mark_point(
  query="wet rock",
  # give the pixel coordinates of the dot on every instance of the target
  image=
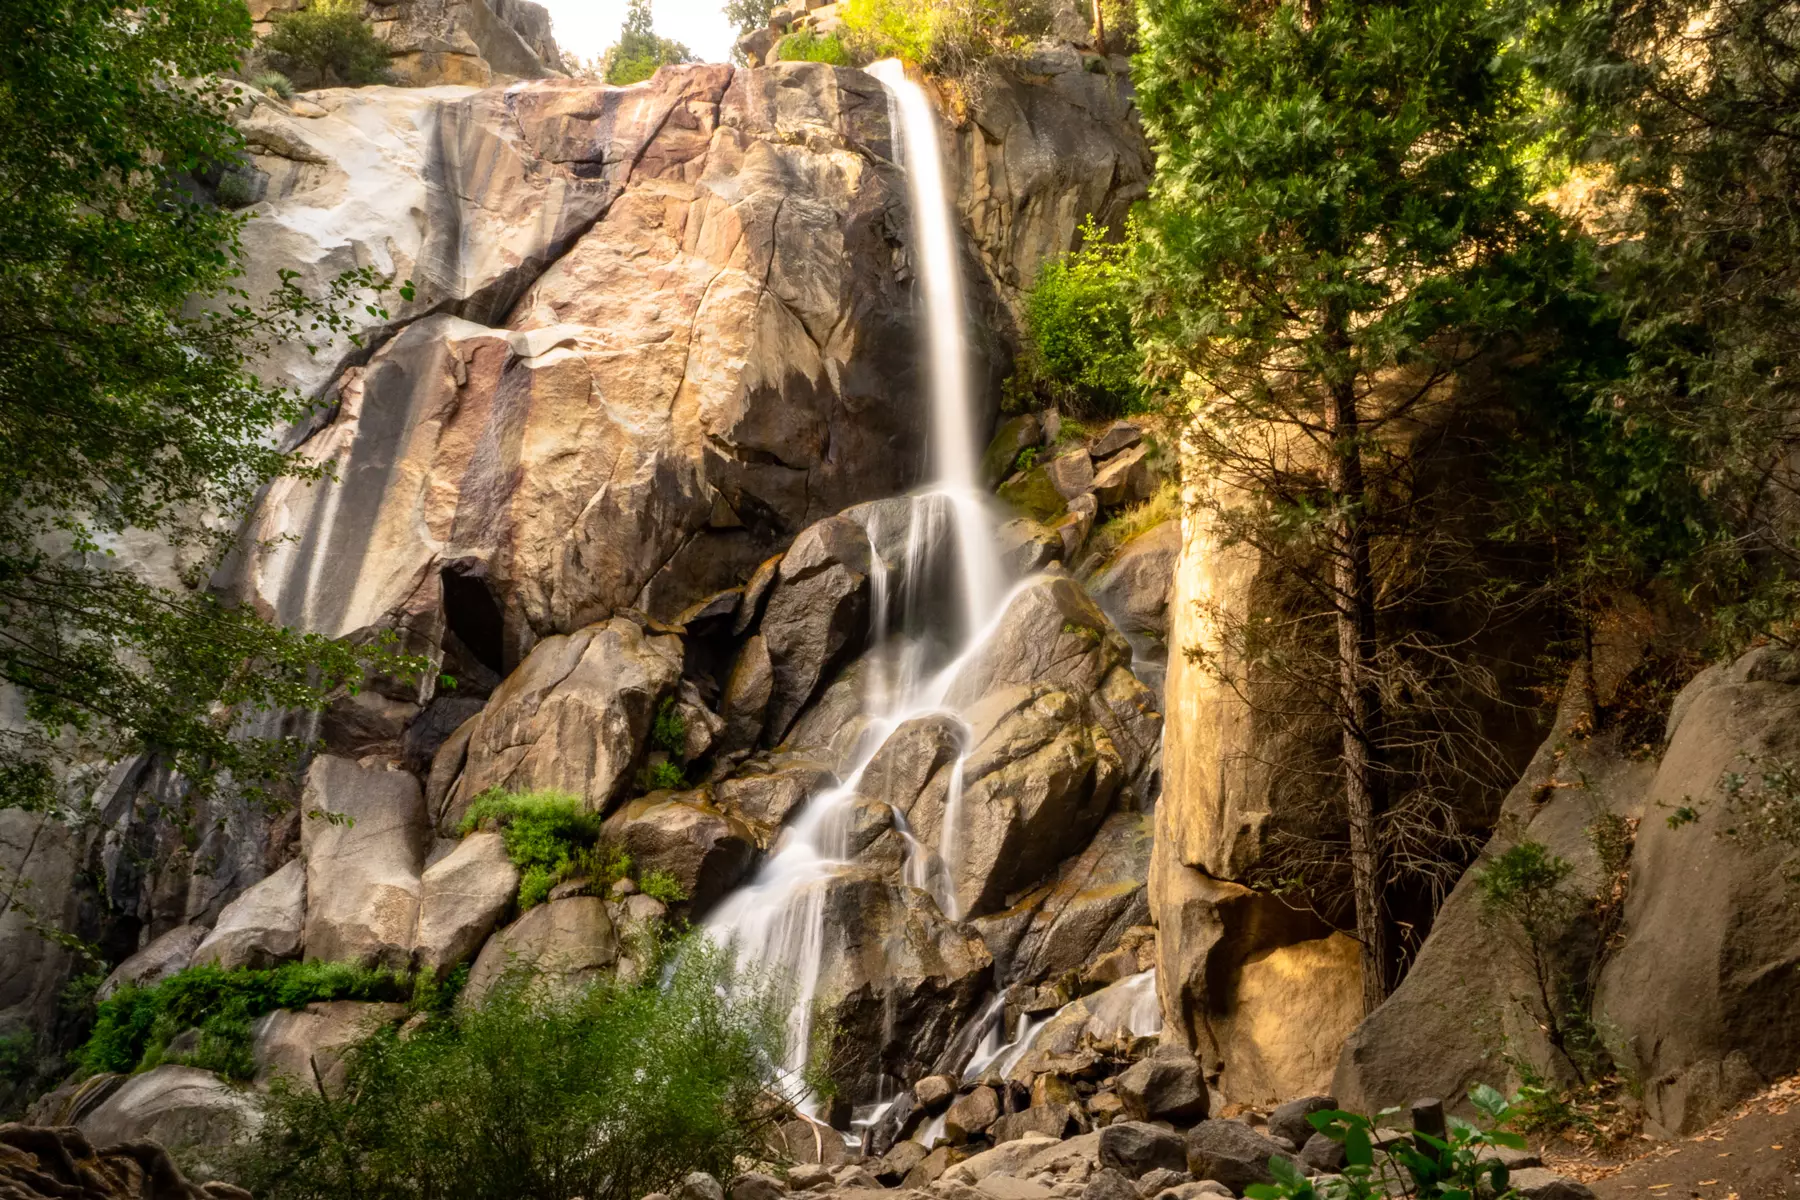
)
(1133, 1148)
(707, 851)
(575, 715)
(177, 1106)
(764, 793)
(1289, 1120)
(915, 752)
(971, 1114)
(168, 954)
(1167, 1086)
(1027, 546)
(263, 926)
(461, 899)
(746, 698)
(307, 1045)
(566, 943)
(364, 834)
(1231, 1153)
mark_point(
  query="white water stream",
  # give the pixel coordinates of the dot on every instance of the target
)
(776, 921)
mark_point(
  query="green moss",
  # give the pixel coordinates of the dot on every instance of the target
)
(1033, 495)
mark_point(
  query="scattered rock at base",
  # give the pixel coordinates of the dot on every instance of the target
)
(1231, 1153)
(1134, 1147)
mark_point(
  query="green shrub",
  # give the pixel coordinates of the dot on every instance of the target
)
(669, 730)
(274, 83)
(1081, 353)
(544, 833)
(666, 776)
(609, 1093)
(639, 51)
(661, 885)
(804, 47)
(1027, 459)
(237, 188)
(327, 45)
(1421, 1168)
(133, 1026)
(947, 37)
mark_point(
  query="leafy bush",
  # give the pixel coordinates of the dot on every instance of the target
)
(327, 44)
(1423, 1167)
(609, 1093)
(1081, 353)
(133, 1026)
(661, 885)
(639, 51)
(805, 47)
(669, 730)
(665, 776)
(545, 833)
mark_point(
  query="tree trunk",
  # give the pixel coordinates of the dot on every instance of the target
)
(1099, 29)
(1358, 703)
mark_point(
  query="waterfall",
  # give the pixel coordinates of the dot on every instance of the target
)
(776, 921)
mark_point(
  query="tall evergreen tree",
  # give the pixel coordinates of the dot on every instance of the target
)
(1341, 221)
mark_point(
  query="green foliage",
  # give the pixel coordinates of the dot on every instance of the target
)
(663, 886)
(128, 400)
(1081, 353)
(639, 51)
(327, 44)
(609, 1092)
(805, 47)
(236, 189)
(273, 82)
(668, 732)
(545, 833)
(1422, 1166)
(662, 776)
(945, 37)
(1027, 458)
(133, 1026)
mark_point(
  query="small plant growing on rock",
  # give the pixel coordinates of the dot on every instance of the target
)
(544, 832)
(665, 776)
(274, 83)
(662, 886)
(805, 46)
(668, 732)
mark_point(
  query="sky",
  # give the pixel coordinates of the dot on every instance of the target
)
(588, 27)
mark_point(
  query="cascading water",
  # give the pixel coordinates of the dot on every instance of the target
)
(776, 921)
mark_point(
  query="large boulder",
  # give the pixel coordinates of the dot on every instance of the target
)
(39, 1163)
(817, 616)
(707, 851)
(765, 792)
(177, 1106)
(307, 1045)
(564, 943)
(574, 716)
(264, 926)
(167, 955)
(1135, 585)
(1231, 1153)
(462, 897)
(1167, 1086)
(1134, 1147)
(39, 859)
(364, 835)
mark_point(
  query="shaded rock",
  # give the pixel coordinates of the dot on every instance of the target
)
(168, 954)
(934, 1092)
(1167, 1086)
(1125, 478)
(263, 926)
(1109, 1184)
(461, 898)
(1046, 1120)
(566, 942)
(1231, 1153)
(698, 1185)
(307, 1045)
(1320, 1153)
(898, 1162)
(365, 850)
(817, 616)
(1289, 1119)
(1120, 435)
(40, 850)
(575, 715)
(62, 1164)
(765, 792)
(1032, 494)
(1133, 1148)
(1071, 473)
(933, 1166)
(1104, 1108)
(971, 1114)
(1135, 585)
(706, 851)
(1027, 546)
(746, 698)
(177, 1106)
(1535, 1183)
(1013, 435)
(1194, 1190)
(914, 753)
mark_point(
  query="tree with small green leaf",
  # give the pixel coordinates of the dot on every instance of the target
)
(326, 44)
(639, 50)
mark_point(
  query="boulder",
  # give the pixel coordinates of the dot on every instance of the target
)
(1033, 496)
(1007, 1159)
(461, 899)
(817, 616)
(1161, 1179)
(1056, 1120)
(746, 698)
(707, 851)
(933, 1166)
(168, 954)
(1231, 1153)
(1013, 435)
(1027, 547)
(1109, 1184)
(177, 1106)
(575, 715)
(697, 1185)
(1135, 585)
(765, 792)
(1120, 435)
(971, 1114)
(1535, 1183)
(1167, 1086)
(1071, 473)
(263, 926)
(1320, 1153)
(567, 943)
(1004, 1187)
(62, 1164)
(808, 1143)
(912, 755)
(364, 834)
(1125, 478)
(934, 1093)
(307, 1045)
(899, 1162)
(754, 1185)
(1134, 1147)
(1289, 1119)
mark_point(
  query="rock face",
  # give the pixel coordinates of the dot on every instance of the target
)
(171, 952)
(177, 1106)
(307, 1045)
(451, 41)
(461, 898)
(62, 1164)
(40, 851)
(364, 836)
(566, 942)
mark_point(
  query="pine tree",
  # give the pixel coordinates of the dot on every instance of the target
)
(1341, 222)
